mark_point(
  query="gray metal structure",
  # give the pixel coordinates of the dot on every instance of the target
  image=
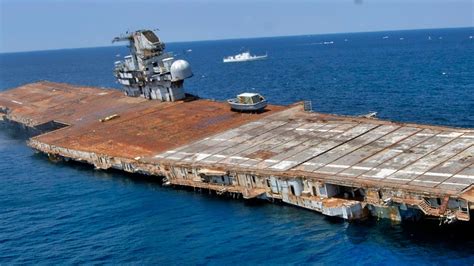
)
(149, 71)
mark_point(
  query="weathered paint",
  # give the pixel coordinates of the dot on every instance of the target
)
(340, 166)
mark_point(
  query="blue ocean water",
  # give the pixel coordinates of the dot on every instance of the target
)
(69, 213)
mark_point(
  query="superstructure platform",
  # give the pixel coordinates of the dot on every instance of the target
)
(342, 166)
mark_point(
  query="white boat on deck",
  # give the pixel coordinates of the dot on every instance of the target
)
(248, 102)
(245, 56)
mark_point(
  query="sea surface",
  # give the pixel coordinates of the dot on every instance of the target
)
(56, 213)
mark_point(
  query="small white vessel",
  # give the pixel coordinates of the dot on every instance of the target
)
(248, 102)
(245, 56)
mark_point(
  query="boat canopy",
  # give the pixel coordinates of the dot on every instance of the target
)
(249, 98)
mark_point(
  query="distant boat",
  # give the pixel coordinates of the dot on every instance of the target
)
(385, 37)
(248, 102)
(245, 56)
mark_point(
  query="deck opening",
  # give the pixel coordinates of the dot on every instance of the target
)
(348, 193)
(292, 188)
(50, 126)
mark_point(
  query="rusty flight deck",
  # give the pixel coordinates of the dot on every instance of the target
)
(342, 166)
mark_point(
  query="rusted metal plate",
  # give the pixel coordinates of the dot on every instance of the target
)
(227, 149)
(302, 161)
(284, 141)
(359, 155)
(45, 101)
(388, 153)
(468, 194)
(315, 135)
(141, 127)
(358, 151)
(326, 162)
(460, 180)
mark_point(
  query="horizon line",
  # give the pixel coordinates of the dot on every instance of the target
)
(240, 38)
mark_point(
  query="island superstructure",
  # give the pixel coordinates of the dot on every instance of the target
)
(149, 71)
(342, 166)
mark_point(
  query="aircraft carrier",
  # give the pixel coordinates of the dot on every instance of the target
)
(341, 166)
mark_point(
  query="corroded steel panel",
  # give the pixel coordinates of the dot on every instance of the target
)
(141, 127)
(284, 141)
(351, 150)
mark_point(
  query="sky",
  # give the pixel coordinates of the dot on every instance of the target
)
(27, 25)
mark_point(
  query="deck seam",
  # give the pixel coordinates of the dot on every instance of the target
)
(398, 127)
(365, 132)
(319, 142)
(426, 154)
(396, 155)
(381, 150)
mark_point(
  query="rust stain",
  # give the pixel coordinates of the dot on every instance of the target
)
(262, 155)
(110, 130)
(334, 202)
(140, 127)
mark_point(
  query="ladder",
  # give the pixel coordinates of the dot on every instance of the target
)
(427, 209)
